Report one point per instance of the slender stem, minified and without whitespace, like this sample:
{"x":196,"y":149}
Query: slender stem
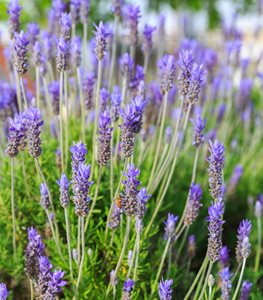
{"x":61,"y":121}
{"x":49,"y":103}
{"x":133,"y":258}
{"x":161,"y":265}
{"x":111,"y":169}
{"x":257,"y":260}
{"x":85,"y":50}
{"x":146,"y":62}
{"x":65,"y":79}
{"x":68,"y":242}
{"x":204,"y":264}
{"x":200,"y":284}
{"x":18,"y":92}
{"x":210,"y":293}
{"x":182,"y":242}
{"x":37,"y":87}
{"x":113,"y":52}
{"x":124,"y":246}
{"x":31,"y":289}
{"x":82,"y":105}
{"x":138,"y":233}
{"x":95,"y":199}
{"x":240,"y":279}
{"x":13,"y":205}
{"x":83,"y":251}
{"x":24,"y":174}
{"x":23,"y":92}
{"x":206,"y":279}
{"x":79,"y":238}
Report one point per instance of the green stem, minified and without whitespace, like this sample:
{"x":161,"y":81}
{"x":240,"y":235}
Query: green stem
{"x":31,"y":289}
{"x":82,"y":106}
{"x":240,"y":279}
{"x":61,"y":121}
{"x":182,"y":242}
{"x":67,"y":117}
{"x":257,"y":260}
{"x":79,"y":238}
{"x":113,"y":52}
{"x":23,"y":92}
{"x":37,"y":88}
{"x":68,"y":242}
{"x":83,"y":252}
{"x":138,"y":234}
{"x":13,"y":205}
{"x":206,"y":279}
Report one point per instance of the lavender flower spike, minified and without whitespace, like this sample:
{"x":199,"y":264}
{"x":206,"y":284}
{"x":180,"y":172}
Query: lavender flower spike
{"x":75,"y":10}
{"x":193,"y":205}
{"x":170,"y":227}
{"x":33,"y":137}
{"x":88,"y":83}
{"x":215,"y":228}
{"x":191,"y":250}
{"x":115,"y":103}
{"x":167,"y":68}
{"x":14,"y":10}
{"x":226,"y":283}
{"x":84,"y":11}
{"x":63,"y":188}
{"x":196,"y":80}
{"x":198,"y":136}
{"x":127,"y":289}
{"x":101,"y":35}
{"x":215,"y":170}
{"x":3,"y":291}
{"x":185,"y":65}
{"x":165,"y":291}
{"x":65,"y":23}
{"x":78,"y":152}
{"x":243,"y":245}
{"x":63,"y":54}
{"x":104,"y":139}
{"x":117,"y":7}
{"x":20,"y":52}
{"x":115,"y":218}
{"x":53,"y":89}
{"x":44,"y":200}
{"x":224,"y":257}
{"x":245,"y":290}
{"x":147,"y":42}
{"x":76,"y":52}
{"x":141,"y":205}
{"x":33,"y":32}
{"x":132,"y":15}
{"x":236,"y":175}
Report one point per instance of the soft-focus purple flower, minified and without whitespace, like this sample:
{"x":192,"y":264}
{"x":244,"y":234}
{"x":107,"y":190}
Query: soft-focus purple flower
{"x":193,"y":205}
{"x":165,"y":291}
{"x":168,"y":134}
{"x":54,"y":91}
{"x":224,"y":257}
{"x":20,"y":52}
{"x":104,"y":139}
{"x":235,"y":178}
{"x":104,"y":99}
{"x":64,"y":184}
{"x":117,"y":7}
{"x":170,"y":227}
{"x":132,"y":15}
{"x":59,"y":7}
{"x":14,"y":10}
{"x":88,"y":83}
{"x":210,"y":61}
{"x":75,"y":52}
{"x":198,"y":127}
{"x":127,"y":289}
{"x":226,"y":283}
{"x":48,"y":43}
{"x":185,"y":65}
{"x":3,"y":291}
{"x":245,"y":290}
{"x":84,"y":11}
{"x":63,"y":55}
{"x":37,"y":54}
{"x":33,"y":135}
{"x":141,"y":202}
{"x":221,"y":113}
{"x":191,"y":248}
{"x":75,"y":10}
{"x":136,"y":79}
{"x":243,"y":245}
{"x":101,"y":35}
{"x":196,"y":80}
{"x":44,"y":200}
{"x":56,"y":283}
{"x":166,"y":66}
{"x":147,"y":42}
{"x":258,"y":209}
{"x":33,"y":32}
{"x":126,"y":66}
{"x":115,"y":103}
{"x":215,"y":228}
{"x":65,"y":23}
{"x":215,"y":170}
{"x":78,"y":152}
{"x":244,"y":93}
{"x":113,"y":278}
{"x":115,"y":217}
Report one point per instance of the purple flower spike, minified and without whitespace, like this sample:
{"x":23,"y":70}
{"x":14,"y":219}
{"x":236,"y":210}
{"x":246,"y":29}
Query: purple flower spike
{"x":44,"y":200}
{"x":20,"y":52}
{"x":37,"y":54}
{"x":78,"y":152}
{"x":215,"y":170}
{"x":127,"y":65}
{"x":56,"y":283}
{"x":104,"y":98}
{"x":245,"y":290}
{"x":75,"y":10}
{"x":243,"y":245}
{"x":54,"y":90}
{"x":76,"y":52}
{"x":59,"y":7}
{"x":196,"y":80}
{"x":81,"y":190}
{"x":63,"y":54}
{"x":234,"y":180}
{"x":3,"y":291}
{"x":64,"y":190}
{"x":167,"y":74}
{"x":142,"y":200}
{"x":84,"y":11}
{"x":115,"y":218}
{"x":170,"y":227}
{"x":33,"y":32}
{"x":33,"y":136}
{"x":194,"y":204}
{"x":127,"y":289}
{"x":226,"y":283}
{"x":14,"y":10}
{"x":117,"y":7}
{"x":199,"y":126}
{"x":88,"y":90}
{"x":104,"y":139}
{"x":191,"y":249}
{"x":224,"y":257}
{"x":101,"y":35}
{"x":215,"y":228}
{"x":65,"y":23}
{"x":132,"y":16}
{"x":185,"y":65}
{"x":165,"y":291}
{"x":147,"y":42}
{"x":115,"y":103}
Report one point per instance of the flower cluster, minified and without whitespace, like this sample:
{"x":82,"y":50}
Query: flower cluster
{"x":193,"y":205}
{"x":64,"y":190}
{"x":199,"y":126}
{"x":14,"y":10}
{"x":127,"y":289}
{"x":226,"y":283}
{"x":243,"y":245}
{"x":21,"y":42}
{"x":170,"y":224}
{"x":165,"y":291}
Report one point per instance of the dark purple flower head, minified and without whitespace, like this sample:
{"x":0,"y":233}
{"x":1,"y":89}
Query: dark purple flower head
{"x":44,"y":200}
{"x":226,"y":283}
{"x":185,"y":65}
{"x":59,"y":7}
{"x":115,"y":218}
{"x":115,"y":103}
{"x":101,"y":35}
{"x":56,"y":283}
{"x":63,"y":54}
{"x":193,"y":205}
{"x":170,"y":227}
{"x":14,"y":10}
{"x":33,"y":32}
{"x":236,"y":175}
{"x":104,"y":98}
{"x":84,"y":11}
{"x":3,"y":291}
{"x":104,"y":139}
{"x":78,"y":152}
{"x":132,"y":15}
{"x":76,"y":52}
{"x":129,"y":197}
{"x":127,"y":289}
{"x":117,"y":7}
{"x":88,"y":83}
{"x":243,"y":245}
{"x":147,"y":42}
{"x":215,"y":170}
{"x":224,"y":257}
{"x":142,"y":200}
{"x":20,"y":52}
{"x":64,"y":184}
{"x":191,"y":249}
{"x":34,"y":122}
{"x":196,"y":80}
{"x":245,"y":290}
{"x":165,"y":291}
{"x":215,"y":228}
{"x":54,"y":91}
{"x":65,"y":23}
{"x":127,"y":64}
{"x":75,"y":10}
{"x":81,"y":190}
{"x":167,"y":72}
{"x":198,"y":127}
